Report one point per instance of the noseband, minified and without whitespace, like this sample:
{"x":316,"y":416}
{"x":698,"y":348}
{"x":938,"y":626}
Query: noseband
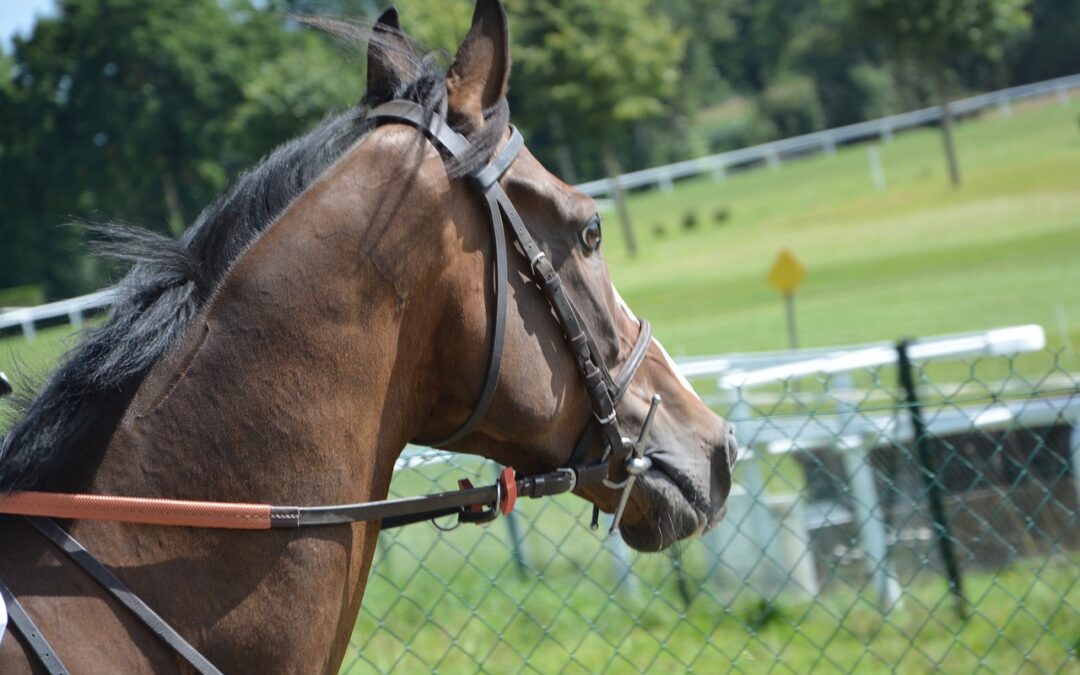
{"x":470,"y":504}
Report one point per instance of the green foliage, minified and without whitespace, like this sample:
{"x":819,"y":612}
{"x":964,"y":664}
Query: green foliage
{"x":27,"y":295}
{"x":602,"y":63}
{"x":876,"y":89}
{"x":139,"y":110}
{"x":934,"y":32}
{"x":589,"y":71}
{"x":792,"y":106}
{"x":143,"y":110}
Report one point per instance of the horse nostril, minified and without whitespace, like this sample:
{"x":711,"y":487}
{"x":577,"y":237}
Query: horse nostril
{"x":731,"y":444}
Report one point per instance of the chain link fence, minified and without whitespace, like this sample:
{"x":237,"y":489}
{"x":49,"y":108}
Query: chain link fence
{"x":872,"y":528}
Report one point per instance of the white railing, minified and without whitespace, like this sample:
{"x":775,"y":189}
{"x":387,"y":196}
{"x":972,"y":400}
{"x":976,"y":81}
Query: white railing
{"x":72,"y":308}
{"x":743,"y":370}
{"x":826,"y":141}
{"x":854,"y":435}
{"x":736,"y":371}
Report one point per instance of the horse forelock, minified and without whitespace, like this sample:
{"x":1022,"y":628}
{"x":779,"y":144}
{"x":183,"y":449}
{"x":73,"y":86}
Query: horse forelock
{"x":171,"y":280}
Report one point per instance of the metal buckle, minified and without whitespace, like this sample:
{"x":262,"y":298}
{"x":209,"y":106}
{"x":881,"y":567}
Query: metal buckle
{"x":476,"y":513}
{"x":536,"y":261}
{"x":607,"y":419}
{"x":573,"y":476}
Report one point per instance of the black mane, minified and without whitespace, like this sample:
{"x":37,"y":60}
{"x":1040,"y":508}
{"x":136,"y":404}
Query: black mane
{"x":172,"y":279}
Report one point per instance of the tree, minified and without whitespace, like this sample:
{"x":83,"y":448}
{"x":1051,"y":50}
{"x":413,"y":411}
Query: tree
{"x":598,"y":66}
{"x":141,"y":110}
{"x":934,"y":33}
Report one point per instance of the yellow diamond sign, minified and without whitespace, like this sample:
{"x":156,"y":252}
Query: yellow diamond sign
{"x":786,"y":273}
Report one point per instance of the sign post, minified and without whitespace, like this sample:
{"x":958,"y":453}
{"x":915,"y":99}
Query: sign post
{"x":786,"y":276}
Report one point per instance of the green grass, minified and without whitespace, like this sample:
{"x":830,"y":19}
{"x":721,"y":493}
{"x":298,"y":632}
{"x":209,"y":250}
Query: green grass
{"x":458,"y":603}
{"x":920,"y":258}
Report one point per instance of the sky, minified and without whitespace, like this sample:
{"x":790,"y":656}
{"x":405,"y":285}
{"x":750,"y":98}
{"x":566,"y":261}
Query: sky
{"x":17,"y":16}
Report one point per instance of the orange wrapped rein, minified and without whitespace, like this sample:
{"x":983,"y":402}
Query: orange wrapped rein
{"x":138,"y":510}
{"x":471,"y":504}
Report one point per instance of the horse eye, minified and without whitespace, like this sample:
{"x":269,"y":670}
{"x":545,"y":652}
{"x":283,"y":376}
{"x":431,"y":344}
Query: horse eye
{"x":590,"y":235}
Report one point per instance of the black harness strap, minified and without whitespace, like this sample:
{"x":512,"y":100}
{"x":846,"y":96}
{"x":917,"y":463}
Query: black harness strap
{"x":74,"y":550}
{"x":457,"y":146}
{"x":37,"y":643}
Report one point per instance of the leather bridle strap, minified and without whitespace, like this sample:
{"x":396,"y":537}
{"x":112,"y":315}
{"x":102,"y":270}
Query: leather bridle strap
{"x":74,"y":550}
{"x":392,"y":512}
{"x":621,"y":384}
{"x":458,"y":147}
{"x":37,"y":643}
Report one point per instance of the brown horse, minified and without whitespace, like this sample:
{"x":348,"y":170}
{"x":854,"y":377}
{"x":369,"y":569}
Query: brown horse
{"x":331,"y":307}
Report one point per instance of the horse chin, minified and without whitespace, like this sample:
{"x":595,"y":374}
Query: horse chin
{"x":672,"y":511}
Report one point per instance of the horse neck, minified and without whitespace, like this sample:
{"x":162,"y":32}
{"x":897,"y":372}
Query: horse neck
{"x":292,"y":387}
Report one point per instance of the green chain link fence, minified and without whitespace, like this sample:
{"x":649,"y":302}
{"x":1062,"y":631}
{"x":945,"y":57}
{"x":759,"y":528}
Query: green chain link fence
{"x":833,"y":556}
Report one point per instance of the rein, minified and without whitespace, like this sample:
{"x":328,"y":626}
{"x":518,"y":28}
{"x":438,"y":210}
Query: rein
{"x":470,"y":504}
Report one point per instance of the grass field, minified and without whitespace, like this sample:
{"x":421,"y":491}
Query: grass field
{"x":919,"y":258}
{"x":458,"y":603}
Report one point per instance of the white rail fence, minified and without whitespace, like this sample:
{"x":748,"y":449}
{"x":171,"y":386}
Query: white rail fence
{"x":663,"y":177}
{"x":765,"y":537}
{"x":73,"y":308}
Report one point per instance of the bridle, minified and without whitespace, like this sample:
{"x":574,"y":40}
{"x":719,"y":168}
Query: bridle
{"x":470,"y":504}
{"x":604,"y":391}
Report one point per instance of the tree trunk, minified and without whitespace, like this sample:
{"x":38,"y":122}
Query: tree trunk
{"x":613,"y":171}
{"x":947,"y":128}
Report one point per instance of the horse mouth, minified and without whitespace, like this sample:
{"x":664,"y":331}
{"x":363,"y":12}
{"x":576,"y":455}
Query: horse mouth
{"x":673,"y":508}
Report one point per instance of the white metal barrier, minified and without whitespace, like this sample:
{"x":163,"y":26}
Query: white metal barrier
{"x":72,"y":308}
{"x":772,"y":153}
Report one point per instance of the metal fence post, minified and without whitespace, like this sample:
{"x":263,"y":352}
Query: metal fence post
{"x":27,"y":322}
{"x":665,"y":183}
{"x":870,"y":521}
{"x":719,"y":173}
{"x":1074,"y":455}
{"x":620,"y":565}
{"x":930,"y":478}
{"x":877,"y":169}
{"x":518,"y":544}
{"x":763,"y":529}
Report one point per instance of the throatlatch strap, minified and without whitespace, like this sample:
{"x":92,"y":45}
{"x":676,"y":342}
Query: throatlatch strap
{"x":74,"y":550}
{"x":26,"y":627}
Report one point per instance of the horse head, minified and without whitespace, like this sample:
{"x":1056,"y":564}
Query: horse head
{"x":540,"y":409}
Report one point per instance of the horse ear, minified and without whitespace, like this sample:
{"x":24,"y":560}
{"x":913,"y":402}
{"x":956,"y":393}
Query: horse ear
{"x":390,"y":59}
{"x":478,"y":78}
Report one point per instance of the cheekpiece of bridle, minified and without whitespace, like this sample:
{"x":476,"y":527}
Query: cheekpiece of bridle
{"x":604,"y":390}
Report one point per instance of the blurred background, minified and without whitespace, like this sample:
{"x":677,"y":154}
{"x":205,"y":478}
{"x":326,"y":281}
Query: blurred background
{"x":789,"y":188}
